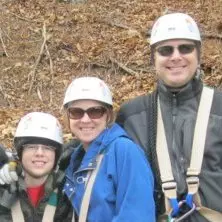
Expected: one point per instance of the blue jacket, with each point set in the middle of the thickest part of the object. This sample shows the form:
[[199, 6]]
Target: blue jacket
[[123, 189]]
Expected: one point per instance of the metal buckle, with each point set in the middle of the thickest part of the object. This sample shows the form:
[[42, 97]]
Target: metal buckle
[[81, 179], [193, 180], [169, 185]]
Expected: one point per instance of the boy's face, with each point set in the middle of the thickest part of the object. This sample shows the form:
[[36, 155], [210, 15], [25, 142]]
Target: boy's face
[[38, 160]]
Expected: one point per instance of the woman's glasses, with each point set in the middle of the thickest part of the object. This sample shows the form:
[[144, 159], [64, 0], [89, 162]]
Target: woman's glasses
[[95, 112], [167, 50]]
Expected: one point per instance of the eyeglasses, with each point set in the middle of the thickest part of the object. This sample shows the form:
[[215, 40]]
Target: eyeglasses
[[93, 112], [34, 147], [167, 50]]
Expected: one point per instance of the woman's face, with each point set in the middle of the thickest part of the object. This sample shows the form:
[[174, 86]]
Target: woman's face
[[86, 126]]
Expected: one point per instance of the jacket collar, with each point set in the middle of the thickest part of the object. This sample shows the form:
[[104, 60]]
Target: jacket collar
[[189, 91], [99, 145], [52, 181]]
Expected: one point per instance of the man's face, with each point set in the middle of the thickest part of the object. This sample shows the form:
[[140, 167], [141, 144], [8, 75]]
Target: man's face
[[176, 62], [38, 160]]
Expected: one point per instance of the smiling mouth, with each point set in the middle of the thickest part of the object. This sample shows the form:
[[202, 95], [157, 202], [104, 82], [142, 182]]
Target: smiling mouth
[[39, 163], [86, 129], [176, 68]]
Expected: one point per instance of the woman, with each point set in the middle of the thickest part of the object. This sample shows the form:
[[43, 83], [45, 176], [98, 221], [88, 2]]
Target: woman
[[108, 178]]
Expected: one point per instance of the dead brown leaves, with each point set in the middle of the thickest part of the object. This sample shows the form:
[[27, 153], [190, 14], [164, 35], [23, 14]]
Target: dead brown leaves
[[44, 44]]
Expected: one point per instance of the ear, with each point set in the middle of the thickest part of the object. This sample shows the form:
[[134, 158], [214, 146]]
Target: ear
[[110, 117], [66, 119], [199, 72]]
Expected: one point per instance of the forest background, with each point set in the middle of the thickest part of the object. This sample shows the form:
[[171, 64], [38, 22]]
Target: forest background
[[45, 44]]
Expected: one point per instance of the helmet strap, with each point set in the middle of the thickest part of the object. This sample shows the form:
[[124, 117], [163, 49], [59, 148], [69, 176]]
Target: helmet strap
[[199, 73]]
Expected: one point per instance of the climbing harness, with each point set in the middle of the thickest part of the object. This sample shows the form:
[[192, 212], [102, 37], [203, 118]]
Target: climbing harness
[[169, 186], [49, 212]]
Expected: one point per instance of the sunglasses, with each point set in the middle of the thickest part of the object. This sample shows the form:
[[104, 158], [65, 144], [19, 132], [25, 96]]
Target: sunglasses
[[167, 50], [95, 112]]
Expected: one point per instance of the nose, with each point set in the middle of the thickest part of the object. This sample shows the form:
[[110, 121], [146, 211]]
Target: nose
[[39, 151], [85, 118], [175, 55]]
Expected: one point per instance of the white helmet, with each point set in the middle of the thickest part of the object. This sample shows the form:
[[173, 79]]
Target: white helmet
[[40, 125], [174, 26], [88, 88]]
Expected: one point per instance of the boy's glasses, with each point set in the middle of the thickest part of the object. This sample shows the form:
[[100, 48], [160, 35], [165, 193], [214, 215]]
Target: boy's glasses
[[167, 50], [95, 112], [35, 147]]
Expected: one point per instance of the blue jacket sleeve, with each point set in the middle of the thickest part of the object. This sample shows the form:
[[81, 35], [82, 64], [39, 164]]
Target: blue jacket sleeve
[[134, 183]]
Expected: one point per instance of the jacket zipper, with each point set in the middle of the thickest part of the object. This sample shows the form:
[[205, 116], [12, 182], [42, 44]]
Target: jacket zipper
[[178, 166], [174, 148]]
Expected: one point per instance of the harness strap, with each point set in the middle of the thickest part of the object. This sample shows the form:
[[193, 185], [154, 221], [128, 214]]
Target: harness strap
[[210, 214], [198, 146], [166, 175], [86, 197], [73, 216], [168, 183], [49, 212], [200, 129], [16, 210], [164, 160], [17, 215], [50, 208]]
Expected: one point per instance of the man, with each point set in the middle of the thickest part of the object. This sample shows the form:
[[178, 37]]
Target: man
[[168, 135], [37, 195]]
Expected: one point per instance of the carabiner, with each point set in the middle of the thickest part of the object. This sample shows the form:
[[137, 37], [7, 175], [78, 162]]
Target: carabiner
[[188, 213]]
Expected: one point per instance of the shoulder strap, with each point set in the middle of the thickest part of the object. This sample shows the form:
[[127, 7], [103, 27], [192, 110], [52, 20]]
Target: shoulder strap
[[49, 212], [50, 208], [16, 210], [168, 182], [86, 198], [200, 129], [166, 175], [17, 214], [198, 144]]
